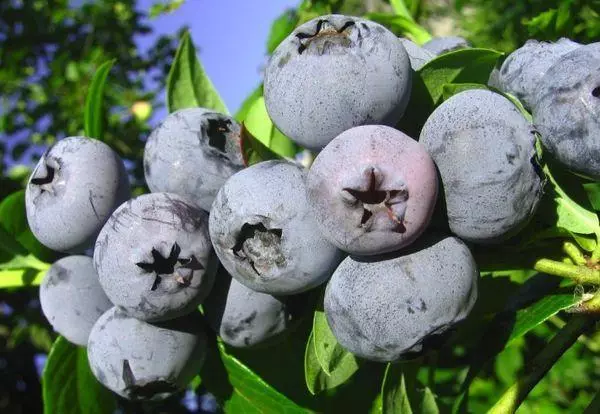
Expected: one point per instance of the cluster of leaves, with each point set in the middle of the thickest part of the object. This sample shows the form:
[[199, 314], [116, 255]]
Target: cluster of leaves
[[492, 360], [517, 21]]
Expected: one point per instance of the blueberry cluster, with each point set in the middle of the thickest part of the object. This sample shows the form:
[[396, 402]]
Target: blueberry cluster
[[246, 242]]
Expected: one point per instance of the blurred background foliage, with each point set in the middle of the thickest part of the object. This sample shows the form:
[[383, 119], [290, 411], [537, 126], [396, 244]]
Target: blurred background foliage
[[49, 51]]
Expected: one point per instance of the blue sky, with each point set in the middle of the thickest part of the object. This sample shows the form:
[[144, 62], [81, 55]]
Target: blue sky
[[231, 36]]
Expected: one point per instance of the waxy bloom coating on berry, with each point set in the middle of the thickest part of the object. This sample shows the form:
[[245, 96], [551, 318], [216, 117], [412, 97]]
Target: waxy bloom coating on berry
[[389, 307], [484, 149], [146, 361], [522, 71], [72, 299], [154, 257], [372, 190], [333, 73], [245, 318], [567, 111], [264, 233], [192, 153], [74, 188]]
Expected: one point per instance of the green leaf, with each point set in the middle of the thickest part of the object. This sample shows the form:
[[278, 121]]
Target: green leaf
[[528, 318], [331, 355], [281, 28], [427, 402], [241, 114], [9, 245], [592, 191], [571, 215], [252, 394], [587, 243], [14, 220], [260, 126], [19, 261], [563, 15], [401, 26], [162, 7], [541, 22], [401, 392], [19, 267], [313, 372], [317, 380], [14, 256], [394, 395], [188, 85], [254, 151], [12, 213], [451, 89], [20, 278], [509, 362], [92, 117], [68, 385], [470, 65]]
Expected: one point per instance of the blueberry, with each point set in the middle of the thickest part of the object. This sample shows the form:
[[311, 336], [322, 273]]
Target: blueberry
[[154, 256], [392, 307], [417, 55], [72, 299], [307, 79], [264, 233], [485, 152], [523, 69], [192, 153], [440, 45], [74, 188], [146, 361], [243, 317], [372, 190], [567, 110]]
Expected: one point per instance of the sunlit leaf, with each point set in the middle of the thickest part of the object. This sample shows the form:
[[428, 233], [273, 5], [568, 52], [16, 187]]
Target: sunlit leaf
[[251, 393], [260, 126], [93, 115], [188, 85], [20, 278], [281, 28], [317, 380]]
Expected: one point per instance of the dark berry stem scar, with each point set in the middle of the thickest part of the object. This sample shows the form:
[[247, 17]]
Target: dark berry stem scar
[[308, 37], [260, 246], [181, 269], [217, 128], [142, 390], [596, 92], [44, 180], [373, 198]]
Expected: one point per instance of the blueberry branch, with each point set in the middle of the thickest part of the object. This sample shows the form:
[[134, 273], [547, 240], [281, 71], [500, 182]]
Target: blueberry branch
[[516, 394], [579, 274]]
